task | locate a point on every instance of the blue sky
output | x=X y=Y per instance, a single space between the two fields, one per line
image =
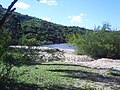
x=83 y=13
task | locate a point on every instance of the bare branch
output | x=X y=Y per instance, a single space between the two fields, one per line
x=8 y=12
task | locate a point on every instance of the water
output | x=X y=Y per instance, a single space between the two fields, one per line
x=62 y=46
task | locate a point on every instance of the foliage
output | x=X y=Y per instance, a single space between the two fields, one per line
x=24 y=30
x=27 y=40
x=10 y=57
x=44 y=32
x=100 y=43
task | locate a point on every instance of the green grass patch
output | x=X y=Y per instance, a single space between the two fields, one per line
x=114 y=73
x=59 y=76
x=52 y=75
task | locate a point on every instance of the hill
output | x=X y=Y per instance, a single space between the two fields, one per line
x=25 y=29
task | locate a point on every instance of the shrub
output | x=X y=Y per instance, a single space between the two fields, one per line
x=100 y=43
x=10 y=57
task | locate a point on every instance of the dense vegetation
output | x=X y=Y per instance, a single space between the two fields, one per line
x=102 y=43
x=17 y=71
x=11 y=33
x=18 y=29
x=25 y=28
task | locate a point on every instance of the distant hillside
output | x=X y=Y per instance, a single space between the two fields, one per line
x=25 y=29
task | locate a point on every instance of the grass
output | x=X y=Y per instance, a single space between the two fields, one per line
x=64 y=76
x=114 y=73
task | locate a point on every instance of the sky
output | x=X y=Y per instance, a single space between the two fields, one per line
x=82 y=13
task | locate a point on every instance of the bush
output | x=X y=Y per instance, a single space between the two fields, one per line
x=10 y=57
x=101 y=43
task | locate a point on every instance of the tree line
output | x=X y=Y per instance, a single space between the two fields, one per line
x=25 y=29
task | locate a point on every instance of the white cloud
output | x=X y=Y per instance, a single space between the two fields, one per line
x=47 y=18
x=49 y=2
x=77 y=19
x=22 y=5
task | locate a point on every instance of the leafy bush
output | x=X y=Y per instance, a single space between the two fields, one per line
x=100 y=43
x=10 y=57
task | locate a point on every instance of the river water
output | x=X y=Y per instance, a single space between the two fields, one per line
x=62 y=46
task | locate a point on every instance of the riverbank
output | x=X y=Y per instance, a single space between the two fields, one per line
x=73 y=72
x=71 y=57
x=103 y=63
